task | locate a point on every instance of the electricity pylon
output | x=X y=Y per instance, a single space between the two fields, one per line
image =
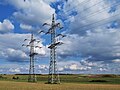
x=53 y=77
x=31 y=44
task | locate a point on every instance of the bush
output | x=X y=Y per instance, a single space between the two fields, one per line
x=1 y=76
x=98 y=81
x=16 y=78
x=110 y=76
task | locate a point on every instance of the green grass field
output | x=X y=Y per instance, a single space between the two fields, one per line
x=83 y=79
x=68 y=82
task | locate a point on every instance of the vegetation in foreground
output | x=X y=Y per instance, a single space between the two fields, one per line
x=10 y=85
x=82 y=79
x=68 y=82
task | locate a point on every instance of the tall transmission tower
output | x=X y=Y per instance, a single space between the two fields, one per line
x=31 y=44
x=53 y=77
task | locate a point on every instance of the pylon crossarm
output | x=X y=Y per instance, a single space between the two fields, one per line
x=53 y=45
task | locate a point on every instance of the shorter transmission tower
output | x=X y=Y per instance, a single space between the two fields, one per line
x=53 y=77
x=32 y=46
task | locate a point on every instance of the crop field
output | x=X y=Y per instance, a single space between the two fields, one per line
x=68 y=82
x=10 y=85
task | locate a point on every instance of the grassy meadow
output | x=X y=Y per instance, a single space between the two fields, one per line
x=68 y=82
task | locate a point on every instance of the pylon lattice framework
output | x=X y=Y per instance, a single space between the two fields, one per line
x=32 y=75
x=53 y=77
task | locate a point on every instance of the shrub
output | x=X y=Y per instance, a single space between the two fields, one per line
x=107 y=75
x=16 y=78
x=1 y=76
x=98 y=81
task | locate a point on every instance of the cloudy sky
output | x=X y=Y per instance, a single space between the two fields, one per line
x=92 y=44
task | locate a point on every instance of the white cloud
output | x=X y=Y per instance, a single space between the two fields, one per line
x=26 y=27
x=43 y=50
x=32 y=12
x=49 y=1
x=11 y=68
x=116 y=60
x=15 y=55
x=60 y=69
x=6 y=26
x=72 y=66
x=88 y=63
x=102 y=45
x=17 y=70
x=88 y=15
x=13 y=51
x=86 y=39
x=63 y=67
x=103 y=69
x=85 y=66
x=43 y=67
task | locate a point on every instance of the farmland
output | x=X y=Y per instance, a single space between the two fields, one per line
x=9 y=85
x=68 y=82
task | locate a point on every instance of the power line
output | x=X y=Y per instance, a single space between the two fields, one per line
x=88 y=7
x=100 y=11
x=70 y=9
x=99 y=22
x=80 y=4
x=117 y=4
x=92 y=14
x=77 y=5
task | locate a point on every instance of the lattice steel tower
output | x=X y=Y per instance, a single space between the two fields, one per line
x=53 y=77
x=31 y=44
